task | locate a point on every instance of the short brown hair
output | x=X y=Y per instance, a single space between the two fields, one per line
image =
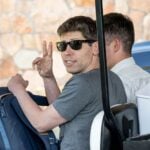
x=117 y=25
x=83 y=24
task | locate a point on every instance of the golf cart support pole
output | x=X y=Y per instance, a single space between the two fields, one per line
x=116 y=140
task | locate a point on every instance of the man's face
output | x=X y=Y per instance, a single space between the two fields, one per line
x=77 y=61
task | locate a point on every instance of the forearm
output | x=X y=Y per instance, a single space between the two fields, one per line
x=31 y=110
x=41 y=119
x=51 y=89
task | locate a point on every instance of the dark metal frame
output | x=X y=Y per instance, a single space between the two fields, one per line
x=116 y=139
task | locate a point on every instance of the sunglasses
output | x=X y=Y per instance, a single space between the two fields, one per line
x=74 y=44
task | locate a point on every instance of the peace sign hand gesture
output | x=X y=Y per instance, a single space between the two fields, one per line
x=44 y=64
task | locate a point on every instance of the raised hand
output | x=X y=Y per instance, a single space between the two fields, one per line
x=44 y=64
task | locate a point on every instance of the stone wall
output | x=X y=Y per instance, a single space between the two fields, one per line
x=24 y=24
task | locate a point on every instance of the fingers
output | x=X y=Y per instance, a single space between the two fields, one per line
x=47 y=49
x=17 y=83
x=50 y=47
x=21 y=80
x=18 y=76
x=15 y=78
x=44 y=45
x=44 y=64
x=36 y=62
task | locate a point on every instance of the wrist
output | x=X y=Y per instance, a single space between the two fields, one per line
x=17 y=90
x=46 y=75
x=20 y=94
x=49 y=79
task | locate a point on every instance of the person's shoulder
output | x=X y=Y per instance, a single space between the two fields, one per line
x=114 y=79
x=113 y=75
x=116 y=87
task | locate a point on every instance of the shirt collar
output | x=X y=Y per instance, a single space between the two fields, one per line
x=122 y=64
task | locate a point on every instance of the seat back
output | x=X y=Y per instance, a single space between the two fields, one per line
x=141 y=54
x=95 y=134
x=126 y=117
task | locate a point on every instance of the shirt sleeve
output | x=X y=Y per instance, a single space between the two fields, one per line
x=74 y=97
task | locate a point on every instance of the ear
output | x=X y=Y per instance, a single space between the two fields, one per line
x=116 y=45
x=95 y=48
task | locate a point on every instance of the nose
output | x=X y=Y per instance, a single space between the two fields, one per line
x=68 y=50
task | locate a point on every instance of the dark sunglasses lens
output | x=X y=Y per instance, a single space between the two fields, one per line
x=76 y=44
x=61 y=46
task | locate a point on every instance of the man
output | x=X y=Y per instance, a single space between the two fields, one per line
x=80 y=100
x=119 y=34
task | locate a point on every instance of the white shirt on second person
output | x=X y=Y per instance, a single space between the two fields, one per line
x=133 y=77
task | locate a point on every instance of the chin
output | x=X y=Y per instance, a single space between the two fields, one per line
x=73 y=71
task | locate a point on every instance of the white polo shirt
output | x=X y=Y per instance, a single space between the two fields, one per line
x=133 y=77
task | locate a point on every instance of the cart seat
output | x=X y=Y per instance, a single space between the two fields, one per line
x=126 y=117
